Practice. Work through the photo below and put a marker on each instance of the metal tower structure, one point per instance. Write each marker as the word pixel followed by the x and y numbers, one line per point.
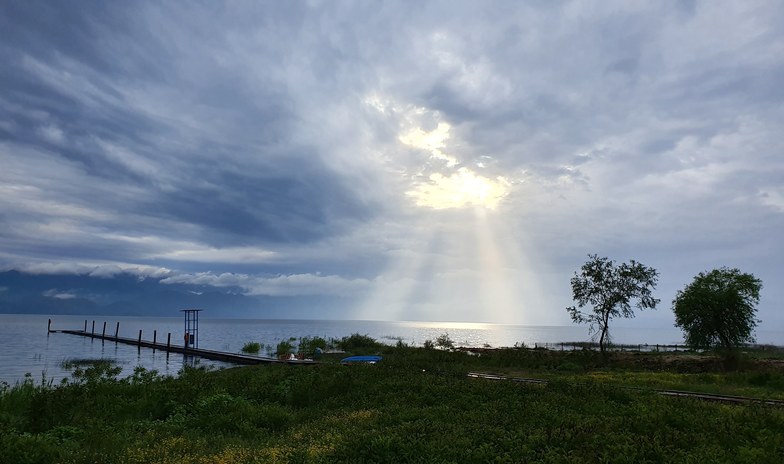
pixel 191 338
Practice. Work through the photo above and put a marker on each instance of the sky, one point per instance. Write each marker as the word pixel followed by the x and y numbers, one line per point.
pixel 437 161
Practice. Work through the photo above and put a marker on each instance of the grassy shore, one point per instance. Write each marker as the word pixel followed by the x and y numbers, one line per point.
pixel 417 405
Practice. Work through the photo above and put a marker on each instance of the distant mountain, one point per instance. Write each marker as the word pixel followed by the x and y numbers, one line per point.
pixel 131 295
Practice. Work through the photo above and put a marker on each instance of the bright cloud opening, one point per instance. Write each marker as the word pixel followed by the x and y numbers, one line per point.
pixel 432 141
pixel 463 188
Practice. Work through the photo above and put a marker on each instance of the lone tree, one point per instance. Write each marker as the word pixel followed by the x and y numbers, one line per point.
pixel 609 289
pixel 717 309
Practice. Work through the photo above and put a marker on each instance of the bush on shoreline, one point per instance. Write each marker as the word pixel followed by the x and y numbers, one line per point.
pixel 251 347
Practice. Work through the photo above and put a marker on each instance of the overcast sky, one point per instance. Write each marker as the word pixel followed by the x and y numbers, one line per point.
pixel 438 160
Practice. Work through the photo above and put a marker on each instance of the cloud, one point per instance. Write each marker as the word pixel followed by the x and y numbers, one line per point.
pixel 263 144
pixel 774 199
pixel 60 295
pixel 461 189
pixel 99 270
pixel 281 285
pixel 224 255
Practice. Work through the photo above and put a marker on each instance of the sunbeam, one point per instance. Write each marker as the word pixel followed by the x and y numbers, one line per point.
pixel 467 265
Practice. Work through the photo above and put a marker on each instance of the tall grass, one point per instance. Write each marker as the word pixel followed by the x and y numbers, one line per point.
pixel 416 405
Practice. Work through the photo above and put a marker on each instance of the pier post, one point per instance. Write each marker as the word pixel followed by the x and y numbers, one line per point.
pixel 93 332
pixel 85 326
pixel 117 330
pixel 154 339
pixel 168 342
pixel 49 327
pixel 103 335
pixel 140 340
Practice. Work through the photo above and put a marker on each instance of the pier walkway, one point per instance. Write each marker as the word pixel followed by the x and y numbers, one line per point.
pixel 236 358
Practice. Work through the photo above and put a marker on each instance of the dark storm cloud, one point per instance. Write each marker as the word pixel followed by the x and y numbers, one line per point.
pixel 213 160
pixel 295 203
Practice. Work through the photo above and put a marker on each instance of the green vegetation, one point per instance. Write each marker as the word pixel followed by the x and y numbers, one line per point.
pixel 251 347
pixel 284 348
pixel 358 342
pixel 85 363
pixel 609 289
pixel 308 345
pixel 444 342
pixel 717 310
pixel 417 405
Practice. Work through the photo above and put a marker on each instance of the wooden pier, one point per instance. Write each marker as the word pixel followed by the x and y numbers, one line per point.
pixel 168 347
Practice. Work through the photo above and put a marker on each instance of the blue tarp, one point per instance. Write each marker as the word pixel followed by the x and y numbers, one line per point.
pixel 360 359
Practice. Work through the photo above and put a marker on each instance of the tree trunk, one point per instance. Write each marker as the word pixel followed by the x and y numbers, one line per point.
pixel 605 331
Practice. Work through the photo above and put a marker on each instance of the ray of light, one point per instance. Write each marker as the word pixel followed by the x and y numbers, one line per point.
pixel 399 285
pixel 469 266
pixel 509 289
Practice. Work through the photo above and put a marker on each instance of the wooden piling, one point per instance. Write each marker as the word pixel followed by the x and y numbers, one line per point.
pixel 168 342
pixel 117 330
pixel 103 334
pixel 49 327
pixel 85 326
pixel 93 331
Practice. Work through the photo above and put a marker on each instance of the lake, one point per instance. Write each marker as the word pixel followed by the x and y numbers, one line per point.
pixel 25 346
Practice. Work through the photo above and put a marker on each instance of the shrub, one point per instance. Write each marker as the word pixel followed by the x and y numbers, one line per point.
pixel 251 347
pixel 355 342
pixel 284 347
pixel 308 345
pixel 444 342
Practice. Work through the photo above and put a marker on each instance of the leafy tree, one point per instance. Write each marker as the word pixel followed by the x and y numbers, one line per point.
pixel 717 310
pixel 609 289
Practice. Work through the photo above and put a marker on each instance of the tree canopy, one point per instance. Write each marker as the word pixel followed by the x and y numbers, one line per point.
pixel 717 310
pixel 609 289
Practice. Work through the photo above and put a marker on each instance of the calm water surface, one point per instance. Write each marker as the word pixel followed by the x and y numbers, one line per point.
pixel 25 346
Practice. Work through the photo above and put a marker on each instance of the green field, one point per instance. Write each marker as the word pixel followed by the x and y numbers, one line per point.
pixel 417 405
